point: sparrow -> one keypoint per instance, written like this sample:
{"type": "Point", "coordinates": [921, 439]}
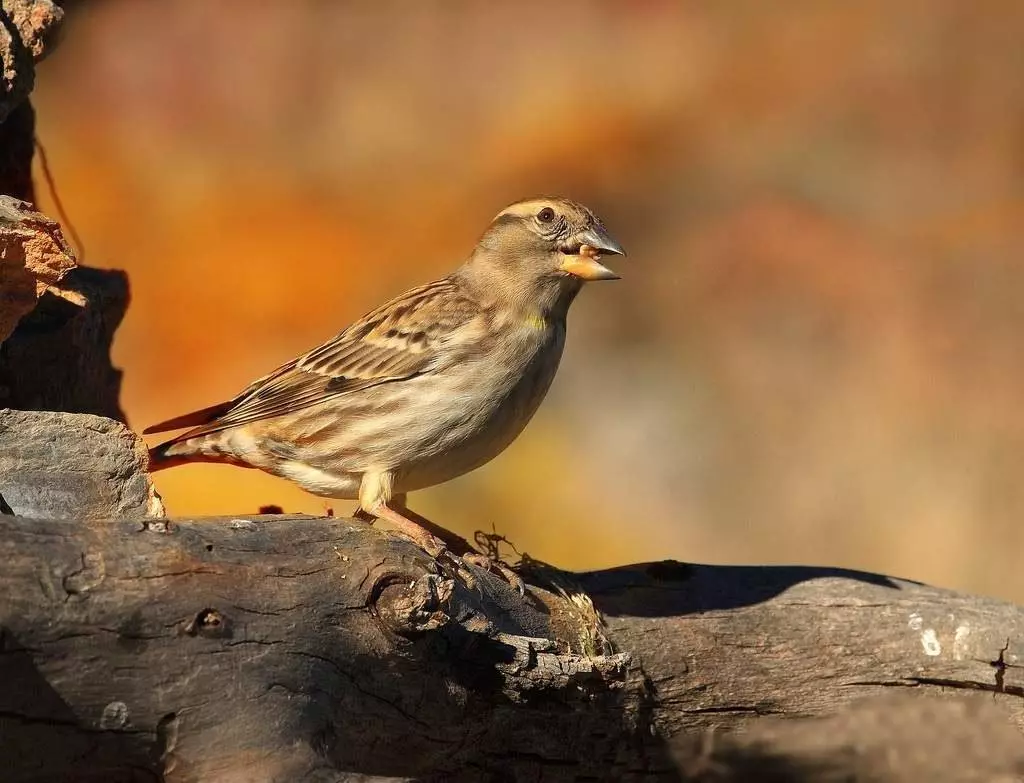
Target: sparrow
{"type": "Point", "coordinates": [425, 388]}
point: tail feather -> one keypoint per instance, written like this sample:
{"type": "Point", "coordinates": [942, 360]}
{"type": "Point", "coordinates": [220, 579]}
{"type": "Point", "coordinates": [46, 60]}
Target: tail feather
{"type": "Point", "coordinates": [179, 451]}
{"type": "Point", "coordinates": [193, 419]}
{"type": "Point", "coordinates": [197, 444]}
{"type": "Point", "coordinates": [158, 460]}
{"type": "Point", "coordinates": [163, 455]}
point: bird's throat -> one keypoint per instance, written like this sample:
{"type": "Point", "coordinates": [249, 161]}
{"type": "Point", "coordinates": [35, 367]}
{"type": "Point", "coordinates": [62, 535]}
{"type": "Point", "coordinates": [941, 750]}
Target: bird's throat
{"type": "Point", "coordinates": [536, 321]}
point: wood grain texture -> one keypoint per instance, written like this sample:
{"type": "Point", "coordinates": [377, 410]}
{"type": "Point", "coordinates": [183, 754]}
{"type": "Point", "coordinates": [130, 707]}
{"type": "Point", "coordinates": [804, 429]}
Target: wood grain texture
{"type": "Point", "coordinates": [295, 648]}
{"type": "Point", "coordinates": [803, 641]}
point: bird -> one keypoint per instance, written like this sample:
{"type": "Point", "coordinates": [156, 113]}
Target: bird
{"type": "Point", "coordinates": [425, 388]}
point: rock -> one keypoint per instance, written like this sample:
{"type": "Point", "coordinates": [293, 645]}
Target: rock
{"type": "Point", "coordinates": [28, 30]}
{"type": "Point", "coordinates": [57, 320]}
{"type": "Point", "coordinates": [58, 358]}
{"type": "Point", "coordinates": [34, 257]}
{"type": "Point", "coordinates": [17, 145]}
{"type": "Point", "coordinates": [73, 466]}
{"type": "Point", "coordinates": [38, 23]}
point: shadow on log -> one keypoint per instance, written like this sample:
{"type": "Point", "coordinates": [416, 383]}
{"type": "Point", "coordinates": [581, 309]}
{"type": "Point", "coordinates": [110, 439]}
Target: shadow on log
{"type": "Point", "coordinates": [298, 648]}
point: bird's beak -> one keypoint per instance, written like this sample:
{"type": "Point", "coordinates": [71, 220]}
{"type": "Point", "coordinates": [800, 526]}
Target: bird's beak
{"type": "Point", "coordinates": [584, 263]}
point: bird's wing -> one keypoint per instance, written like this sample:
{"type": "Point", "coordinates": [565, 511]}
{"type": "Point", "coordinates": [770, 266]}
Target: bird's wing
{"type": "Point", "coordinates": [396, 341]}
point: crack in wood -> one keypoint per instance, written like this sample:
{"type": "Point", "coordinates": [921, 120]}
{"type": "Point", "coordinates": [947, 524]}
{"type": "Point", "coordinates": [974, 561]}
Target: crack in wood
{"type": "Point", "coordinates": [941, 682]}
{"type": "Point", "coordinates": [1000, 665]}
{"type": "Point", "coordinates": [729, 709]}
{"type": "Point", "coordinates": [38, 720]}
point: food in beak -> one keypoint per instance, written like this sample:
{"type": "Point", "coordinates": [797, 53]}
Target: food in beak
{"type": "Point", "coordinates": [585, 265]}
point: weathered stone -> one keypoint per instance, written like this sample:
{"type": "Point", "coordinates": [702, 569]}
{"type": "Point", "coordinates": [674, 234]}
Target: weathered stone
{"type": "Point", "coordinates": [38, 23]}
{"type": "Point", "coordinates": [73, 466]}
{"type": "Point", "coordinates": [34, 257]}
{"type": "Point", "coordinates": [57, 320]}
{"type": "Point", "coordinates": [58, 358]}
{"type": "Point", "coordinates": [28, 30]}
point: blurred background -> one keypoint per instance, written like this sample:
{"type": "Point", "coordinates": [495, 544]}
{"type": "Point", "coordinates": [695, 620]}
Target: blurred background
{"type": "Point", "coordinates": [814, 354]}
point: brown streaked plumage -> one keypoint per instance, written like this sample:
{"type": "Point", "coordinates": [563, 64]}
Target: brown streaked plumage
{"type": "Point", "coordinates": [427, 387]}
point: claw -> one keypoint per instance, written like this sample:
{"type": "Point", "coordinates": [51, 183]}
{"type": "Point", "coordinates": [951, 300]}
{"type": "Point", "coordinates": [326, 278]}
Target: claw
{"type": "Point", "coordinates": [496, 567]}
{"type": "Point", "coordinates": [422, 533]}
{"type": "Point", "coordinates": [453, 568]}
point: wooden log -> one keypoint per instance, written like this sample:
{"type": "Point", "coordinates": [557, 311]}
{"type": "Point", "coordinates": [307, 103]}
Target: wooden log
{"type": "Point", "coordinates": [298, 648]}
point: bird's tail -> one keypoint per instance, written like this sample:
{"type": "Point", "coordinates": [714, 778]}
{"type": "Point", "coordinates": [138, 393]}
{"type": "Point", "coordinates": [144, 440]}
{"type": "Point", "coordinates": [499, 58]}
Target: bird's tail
{"type": "Point", "coordinates": [181, 450]}
{"type": "Point", "coordinates": [198, 444]}
{"type": "Point", "coordinates": [168, 455]}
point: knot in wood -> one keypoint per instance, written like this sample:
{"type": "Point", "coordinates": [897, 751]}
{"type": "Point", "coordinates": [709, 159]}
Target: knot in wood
{"type": "Point", "coordinates": [115, 716]}
{"type": "Point", "coordinates": [412, 607]}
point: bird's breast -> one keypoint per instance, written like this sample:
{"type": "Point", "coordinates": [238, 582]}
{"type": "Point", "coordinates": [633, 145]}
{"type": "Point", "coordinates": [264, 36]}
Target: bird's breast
{"type": "Point", "coordinates": [481, 404]}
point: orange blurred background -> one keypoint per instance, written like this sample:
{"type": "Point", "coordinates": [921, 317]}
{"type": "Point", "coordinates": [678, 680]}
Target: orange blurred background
{"type": "Point", "coordinates": [814, 354]}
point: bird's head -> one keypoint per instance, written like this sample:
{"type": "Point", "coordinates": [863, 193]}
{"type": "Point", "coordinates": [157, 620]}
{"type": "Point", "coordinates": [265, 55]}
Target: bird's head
{"type": "Point", "coordinates": [544, 248]}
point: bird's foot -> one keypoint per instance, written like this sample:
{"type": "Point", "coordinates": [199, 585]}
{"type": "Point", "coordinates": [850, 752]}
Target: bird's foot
{"type": "Point", "coordinates": [405, 527]}
{"type": "Point", "coordinates": [428, 537]}
{"type": "Point", "coordinates": [450, 564]}
{"type": "Point", "coordinates": [457, 567]}
{"type": "Point", "coordinates": [454, 567]}
{"type": "Point", "coordinates": [495, 566]}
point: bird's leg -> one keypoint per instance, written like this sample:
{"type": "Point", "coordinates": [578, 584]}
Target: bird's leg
{"type": "Point", "coordinates": [376, 501]}
{"type": "Point", "coordinates": [455, 543]}
{"type": "Point", "coordinates": [459, 546]}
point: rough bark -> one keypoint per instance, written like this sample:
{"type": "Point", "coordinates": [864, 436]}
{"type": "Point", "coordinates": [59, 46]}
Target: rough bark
{"type": "Point", "coordinates": [73, 466]}
{"type": "Point", "coordinates": [291, 648]}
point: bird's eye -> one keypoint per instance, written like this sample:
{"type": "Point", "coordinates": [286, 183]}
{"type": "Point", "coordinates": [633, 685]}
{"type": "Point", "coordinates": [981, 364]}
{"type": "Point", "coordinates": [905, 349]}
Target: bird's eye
{"type": "Point", "coordinates": [546, 215]}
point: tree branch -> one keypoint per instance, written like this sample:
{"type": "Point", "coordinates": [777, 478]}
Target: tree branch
{"type": "Point", "coordinates": [287, 648]}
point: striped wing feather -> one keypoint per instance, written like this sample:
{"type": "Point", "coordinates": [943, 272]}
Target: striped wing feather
{"type": "Point", "coordinates": [394, 342]}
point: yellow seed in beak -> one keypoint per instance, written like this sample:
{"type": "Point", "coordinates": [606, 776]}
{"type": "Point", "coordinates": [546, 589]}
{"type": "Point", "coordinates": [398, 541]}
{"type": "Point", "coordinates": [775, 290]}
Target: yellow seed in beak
{"type": "Point", "coordinates": [586, 266]}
